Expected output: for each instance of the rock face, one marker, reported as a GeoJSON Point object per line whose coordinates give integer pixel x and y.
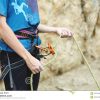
{"type": "Point", "coordinates": [83, 18]}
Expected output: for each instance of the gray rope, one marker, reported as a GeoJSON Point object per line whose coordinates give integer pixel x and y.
{"type": "Point", "coordinates": [10, 72]}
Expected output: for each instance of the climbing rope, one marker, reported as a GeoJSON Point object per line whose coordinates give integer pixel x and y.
{"type": "Point", "coordinates": [88, 65]}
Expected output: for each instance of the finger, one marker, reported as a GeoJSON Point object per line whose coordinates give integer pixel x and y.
{"type": "Point", "coordinates": [68, 32]}
{"type": "Point", "coordinates": [61, 34]}
{"type": "Point", "coordinates": [37, 70]}
{"type": "Point", "coordinates": [33, 72]}
{"type": "Point", "coordinates": [41, 68]}
{"type": "Point", "coordinates": [64, 34]}
{"type": "Point", "coordinates": [41, 65]}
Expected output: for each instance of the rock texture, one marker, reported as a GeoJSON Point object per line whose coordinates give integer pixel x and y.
{"type": "Point", "coordinates": [83, 18]}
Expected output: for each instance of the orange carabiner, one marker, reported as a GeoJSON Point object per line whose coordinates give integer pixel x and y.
{"type": "Point", "coordinates": [51, 49]}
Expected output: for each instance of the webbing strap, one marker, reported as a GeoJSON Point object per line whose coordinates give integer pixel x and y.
{"type": "Point", "coordinates": [26, 34]}
{"type": "Point", "coordinates": [12, 66]}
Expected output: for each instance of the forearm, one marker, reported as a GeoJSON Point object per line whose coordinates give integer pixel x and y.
{"type": "Point", "coordinates": [10, 39]}
{"type": "Point", "coordinates": [44, 28]}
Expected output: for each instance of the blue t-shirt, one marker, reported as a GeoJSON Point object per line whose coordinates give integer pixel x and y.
{"type": "Point", "coordinates": [20, 14]}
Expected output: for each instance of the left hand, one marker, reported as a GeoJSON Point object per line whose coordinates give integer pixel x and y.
{"type": "Point", "coordinates": [64, 32]}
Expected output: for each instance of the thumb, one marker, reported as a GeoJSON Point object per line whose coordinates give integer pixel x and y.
{"type": "Point", "coordinates": [41, 66]}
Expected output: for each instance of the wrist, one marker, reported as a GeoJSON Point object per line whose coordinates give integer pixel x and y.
{"type": "Point", "coordinates": [55, 29]}
{"type": "Point", "coordinates": [26, 55]}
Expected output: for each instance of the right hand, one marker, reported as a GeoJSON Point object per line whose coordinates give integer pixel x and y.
{"type": "Point", "coordinates": [64, 32]}
{"type": "Point", "coordinates": [33, 64]}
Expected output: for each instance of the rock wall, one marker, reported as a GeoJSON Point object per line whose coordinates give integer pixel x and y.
{"type": "Point", "coordinates": [83, 18]}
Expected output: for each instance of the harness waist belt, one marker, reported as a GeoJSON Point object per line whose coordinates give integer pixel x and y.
{"type": "Point", "coordinates": [27, 34]}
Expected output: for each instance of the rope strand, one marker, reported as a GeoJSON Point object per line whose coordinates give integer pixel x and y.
{"type": "Point", "coordinates": [88, 65]}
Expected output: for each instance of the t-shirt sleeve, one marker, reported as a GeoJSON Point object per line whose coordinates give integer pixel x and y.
{"type": "Point", "coordinates": [3, 7]}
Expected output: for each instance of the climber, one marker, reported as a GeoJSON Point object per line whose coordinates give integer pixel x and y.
{"type": "Point", "coordinates": [16, 17]}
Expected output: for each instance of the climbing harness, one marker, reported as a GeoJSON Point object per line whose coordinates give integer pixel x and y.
{"type": "Point", "coordinates": [10, 72]}
{"type": "Point", "coordinates": [21, 62]}
{"type": "Point", "coordinates": [12, 66]}
{"type": "Point", "coordinates": [49, 50]}
{"type": "Point", "coordinates": [24, 34]}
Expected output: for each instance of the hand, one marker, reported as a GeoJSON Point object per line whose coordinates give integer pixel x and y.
{"type": "Point", "coordinates": [33, 64]}
{"type": "Point", "coordinates": [64, 32]}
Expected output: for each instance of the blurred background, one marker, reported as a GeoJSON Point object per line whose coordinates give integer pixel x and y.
{"type": "Point", "coordinates": [68, 71]}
